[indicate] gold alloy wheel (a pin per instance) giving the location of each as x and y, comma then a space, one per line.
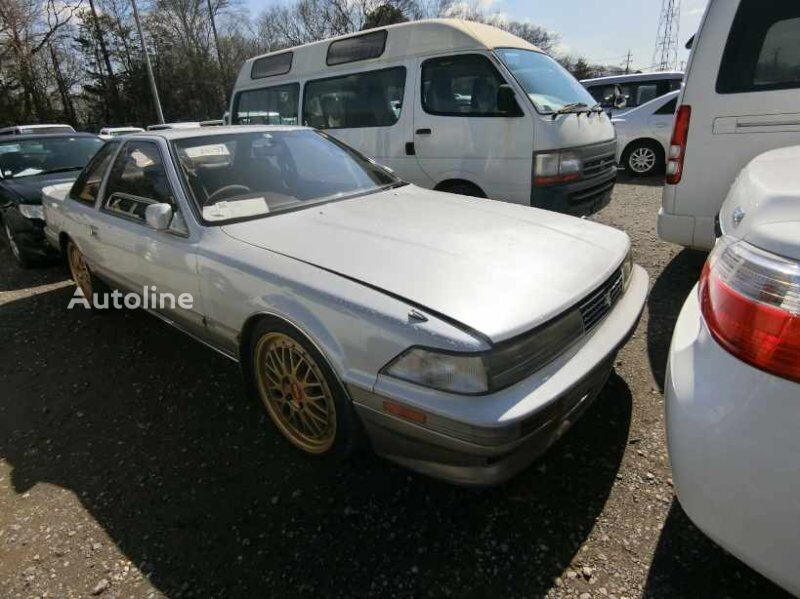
79, 270
295, 393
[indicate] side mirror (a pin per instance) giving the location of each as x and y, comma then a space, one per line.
158, 216
507, 100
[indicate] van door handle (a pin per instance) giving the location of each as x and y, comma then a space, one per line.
424, 131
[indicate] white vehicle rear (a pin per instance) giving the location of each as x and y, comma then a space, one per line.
620, 93
643, 135
732, 391
447, 104
741, 97
36, 129
112, 132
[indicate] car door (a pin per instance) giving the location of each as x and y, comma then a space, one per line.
137, 257
744, 92
660, 121
460, 134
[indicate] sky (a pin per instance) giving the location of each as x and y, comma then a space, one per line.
603, 32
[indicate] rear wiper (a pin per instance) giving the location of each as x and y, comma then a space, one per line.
63, 169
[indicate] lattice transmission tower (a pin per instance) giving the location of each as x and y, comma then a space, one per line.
665, 55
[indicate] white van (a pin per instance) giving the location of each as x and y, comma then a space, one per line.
448, 104
741, 97
635, 88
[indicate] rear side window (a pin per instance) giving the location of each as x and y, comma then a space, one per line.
668, 108
461, 86
373, 99
352, 49
88, 182
763, 48
268, 106
137, 179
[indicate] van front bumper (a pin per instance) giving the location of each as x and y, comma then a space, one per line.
580, 198
486, 440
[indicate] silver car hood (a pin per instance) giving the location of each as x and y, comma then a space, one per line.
497, 268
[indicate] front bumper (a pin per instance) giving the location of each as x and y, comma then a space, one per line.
486, 440
29, 234
580, 198
734, 448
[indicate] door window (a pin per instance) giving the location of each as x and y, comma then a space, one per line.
461, 86
763, 48
87, 185
137, 180
668, 108
373, 99
268, 106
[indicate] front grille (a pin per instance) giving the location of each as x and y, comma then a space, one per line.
597, 166
592, 193
599, 304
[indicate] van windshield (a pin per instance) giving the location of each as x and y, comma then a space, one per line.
549, 85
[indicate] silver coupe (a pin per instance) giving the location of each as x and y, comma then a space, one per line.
460, 337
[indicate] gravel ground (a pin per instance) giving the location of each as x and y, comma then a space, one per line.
131, 465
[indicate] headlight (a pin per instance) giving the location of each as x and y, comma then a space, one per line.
627, 269
446, 372
31, 211
550, 168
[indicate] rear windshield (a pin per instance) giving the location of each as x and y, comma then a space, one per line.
549, 85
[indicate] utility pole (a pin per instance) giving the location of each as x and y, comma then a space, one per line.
665, 54
628, 59
148, 66
216, 37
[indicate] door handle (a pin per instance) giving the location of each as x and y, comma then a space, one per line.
425, 131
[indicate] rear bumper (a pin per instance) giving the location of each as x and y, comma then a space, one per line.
686, 230
488, 439
734, 449
580, 198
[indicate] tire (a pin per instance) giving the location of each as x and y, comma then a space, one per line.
302, 396
81, 274
463, 188
643, 158
21, 256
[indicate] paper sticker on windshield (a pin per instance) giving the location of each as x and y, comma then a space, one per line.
212, 150
235, 209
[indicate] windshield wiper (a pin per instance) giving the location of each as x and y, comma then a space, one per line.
574, 107
63, 169
597, 108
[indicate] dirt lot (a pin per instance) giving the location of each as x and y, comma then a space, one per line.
132, 465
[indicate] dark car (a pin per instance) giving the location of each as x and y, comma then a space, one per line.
26, 166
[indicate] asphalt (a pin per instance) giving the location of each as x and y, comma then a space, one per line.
133, 465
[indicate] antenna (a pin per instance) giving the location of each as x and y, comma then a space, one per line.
665, 55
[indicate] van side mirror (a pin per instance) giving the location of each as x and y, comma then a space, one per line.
158, 216
507, 101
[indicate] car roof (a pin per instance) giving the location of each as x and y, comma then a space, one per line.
655, 75
35, 136
173, 134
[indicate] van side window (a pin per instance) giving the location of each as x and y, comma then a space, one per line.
372, 99
267, 106
461, 86
763, 48
88, 182
137, 179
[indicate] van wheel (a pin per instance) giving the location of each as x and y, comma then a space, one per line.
643, 158
302, 396
463, 188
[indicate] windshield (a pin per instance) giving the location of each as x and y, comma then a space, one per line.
549, 85
28, 157
247, 175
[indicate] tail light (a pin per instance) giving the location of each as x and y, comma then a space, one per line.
750, 300
677, 148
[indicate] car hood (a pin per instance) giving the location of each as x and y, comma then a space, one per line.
28, 190
498, 268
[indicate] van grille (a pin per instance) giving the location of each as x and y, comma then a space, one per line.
600, 303
598, 165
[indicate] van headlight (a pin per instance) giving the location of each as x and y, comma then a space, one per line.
451, 372
550, 168
31, 211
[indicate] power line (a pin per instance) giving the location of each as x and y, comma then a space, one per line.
665, 54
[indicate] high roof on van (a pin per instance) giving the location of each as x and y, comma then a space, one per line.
402, 40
